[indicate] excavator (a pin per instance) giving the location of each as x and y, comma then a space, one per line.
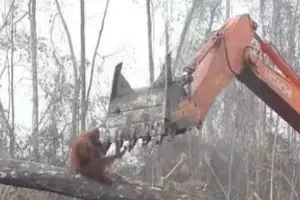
172, 106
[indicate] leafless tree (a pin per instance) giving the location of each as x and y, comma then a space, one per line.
75, 74
95, 52
82, 66
227, 9
35, 110
184, 32
150, 45
12, 96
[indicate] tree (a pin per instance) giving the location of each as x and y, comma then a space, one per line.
96, 52
185, 29
150, 47
227, 9
35, 108
12, 96
82, 66
75, 74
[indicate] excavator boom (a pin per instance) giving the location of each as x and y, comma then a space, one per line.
279, 91
180, 104
221, 62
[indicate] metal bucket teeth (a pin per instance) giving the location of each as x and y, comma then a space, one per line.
119, 144
133, 139
132, 144
107, 145
142, 112
146, 140
160, 139
145, 143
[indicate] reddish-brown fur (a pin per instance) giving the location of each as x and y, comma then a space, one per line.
88, 156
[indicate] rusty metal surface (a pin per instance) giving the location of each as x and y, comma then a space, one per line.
150, 112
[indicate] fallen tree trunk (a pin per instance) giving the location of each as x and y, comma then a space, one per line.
64, 181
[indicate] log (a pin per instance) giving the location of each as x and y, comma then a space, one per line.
66, 182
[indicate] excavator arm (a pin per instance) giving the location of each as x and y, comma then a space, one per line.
173, 106
229, 54
277, 85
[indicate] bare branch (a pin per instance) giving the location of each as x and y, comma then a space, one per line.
5, 193
16, 22
5, 22
280, 173
187, 23
256, 196
52, 101
2, 71
111, 54
96, 49
22, 17
75, 69
162, 179
68, 36
233, 141
207, 162
3, 117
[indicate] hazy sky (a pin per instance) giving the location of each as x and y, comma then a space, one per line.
126, 27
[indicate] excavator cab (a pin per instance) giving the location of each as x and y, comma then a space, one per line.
163, 109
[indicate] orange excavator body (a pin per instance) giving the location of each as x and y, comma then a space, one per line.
184, 102
231, 55
220, 59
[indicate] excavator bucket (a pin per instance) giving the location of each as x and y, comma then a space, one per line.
151, 112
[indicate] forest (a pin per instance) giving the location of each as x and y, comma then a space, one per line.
56, 68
